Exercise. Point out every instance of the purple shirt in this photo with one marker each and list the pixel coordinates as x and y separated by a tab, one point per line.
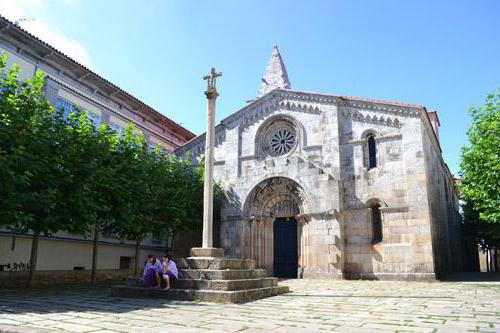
156	266
172	267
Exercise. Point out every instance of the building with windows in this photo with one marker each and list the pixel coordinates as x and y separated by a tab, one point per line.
68	84
327	186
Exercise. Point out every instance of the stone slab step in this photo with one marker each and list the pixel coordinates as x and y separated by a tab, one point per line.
231	285
214	263
217	274
217	296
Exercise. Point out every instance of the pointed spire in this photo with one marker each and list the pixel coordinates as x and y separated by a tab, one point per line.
275	75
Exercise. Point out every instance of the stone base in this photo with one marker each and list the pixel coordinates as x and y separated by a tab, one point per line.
209	279
213	252
391	276
216	296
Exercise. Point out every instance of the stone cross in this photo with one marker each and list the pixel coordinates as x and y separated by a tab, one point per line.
211	80
208	192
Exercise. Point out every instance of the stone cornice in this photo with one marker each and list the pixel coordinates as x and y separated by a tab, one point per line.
303	102
374	119
377	138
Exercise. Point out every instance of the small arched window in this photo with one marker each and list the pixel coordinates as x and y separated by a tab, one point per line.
372	152
376	224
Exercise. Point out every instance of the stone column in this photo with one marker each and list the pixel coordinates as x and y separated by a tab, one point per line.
208	191
207	249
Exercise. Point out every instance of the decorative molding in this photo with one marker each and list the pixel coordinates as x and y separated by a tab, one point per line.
313	147
389	137
383	209
306	102
395	209
373	119
247	157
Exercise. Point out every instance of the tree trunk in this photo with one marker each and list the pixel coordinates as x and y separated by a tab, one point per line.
172	244
490	261
495	259
33	258
137	246
93	274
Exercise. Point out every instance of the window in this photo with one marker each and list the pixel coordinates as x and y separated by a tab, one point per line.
65	105
125	262
376	224
282	141
117	128
94	118
372	152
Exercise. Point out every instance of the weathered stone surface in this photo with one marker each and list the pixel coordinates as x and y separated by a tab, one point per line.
209	279
323	178
207	252
311	306
217	296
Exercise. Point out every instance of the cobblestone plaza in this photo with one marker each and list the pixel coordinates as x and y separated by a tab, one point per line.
311	306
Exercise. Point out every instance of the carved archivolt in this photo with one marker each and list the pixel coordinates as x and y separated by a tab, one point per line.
276	197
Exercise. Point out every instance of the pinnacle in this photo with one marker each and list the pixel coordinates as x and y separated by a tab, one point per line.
275	76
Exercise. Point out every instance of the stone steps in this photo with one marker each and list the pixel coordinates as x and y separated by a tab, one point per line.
210	279
214	263
218	296
217	274
200	284
229	285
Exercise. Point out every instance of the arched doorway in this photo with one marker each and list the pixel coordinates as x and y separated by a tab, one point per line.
275	208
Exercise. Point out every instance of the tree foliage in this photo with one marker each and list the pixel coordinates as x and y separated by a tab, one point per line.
480	161
61	173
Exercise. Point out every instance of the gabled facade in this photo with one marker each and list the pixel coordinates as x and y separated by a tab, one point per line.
328	186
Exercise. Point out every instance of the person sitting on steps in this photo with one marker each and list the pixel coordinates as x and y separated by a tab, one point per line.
152	272
170	272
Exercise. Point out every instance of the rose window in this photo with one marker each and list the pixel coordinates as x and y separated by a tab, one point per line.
282	141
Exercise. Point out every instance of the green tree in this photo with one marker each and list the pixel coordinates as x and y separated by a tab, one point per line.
480	162
36	173
487	235
137	200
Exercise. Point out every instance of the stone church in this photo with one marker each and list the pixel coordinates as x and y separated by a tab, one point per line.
326	186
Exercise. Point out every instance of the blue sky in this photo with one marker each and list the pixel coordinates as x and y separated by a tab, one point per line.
441	54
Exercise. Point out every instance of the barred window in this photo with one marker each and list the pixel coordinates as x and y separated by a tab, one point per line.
372	152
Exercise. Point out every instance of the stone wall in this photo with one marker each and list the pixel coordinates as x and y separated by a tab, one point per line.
443	208
328	178
58	278
398	185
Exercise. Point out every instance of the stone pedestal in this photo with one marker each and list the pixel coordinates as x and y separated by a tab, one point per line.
210	279
207	252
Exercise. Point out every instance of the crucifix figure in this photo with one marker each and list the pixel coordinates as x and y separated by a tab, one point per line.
211	80
208	192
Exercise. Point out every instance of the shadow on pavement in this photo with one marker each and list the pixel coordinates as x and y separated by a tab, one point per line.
79	299
472	277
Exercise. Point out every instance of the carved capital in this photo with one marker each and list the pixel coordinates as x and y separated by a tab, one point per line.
211	93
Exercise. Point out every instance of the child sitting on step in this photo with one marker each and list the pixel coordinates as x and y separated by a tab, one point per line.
170	272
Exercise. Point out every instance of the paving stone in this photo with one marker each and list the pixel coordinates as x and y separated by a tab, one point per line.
312	306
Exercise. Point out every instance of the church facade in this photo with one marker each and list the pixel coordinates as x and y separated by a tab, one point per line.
327	186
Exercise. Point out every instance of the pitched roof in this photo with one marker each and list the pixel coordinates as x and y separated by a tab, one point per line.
47	52
275	76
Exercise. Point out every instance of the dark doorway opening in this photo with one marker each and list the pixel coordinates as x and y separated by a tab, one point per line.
285	247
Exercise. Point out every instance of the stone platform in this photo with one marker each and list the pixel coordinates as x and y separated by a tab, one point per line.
210	279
